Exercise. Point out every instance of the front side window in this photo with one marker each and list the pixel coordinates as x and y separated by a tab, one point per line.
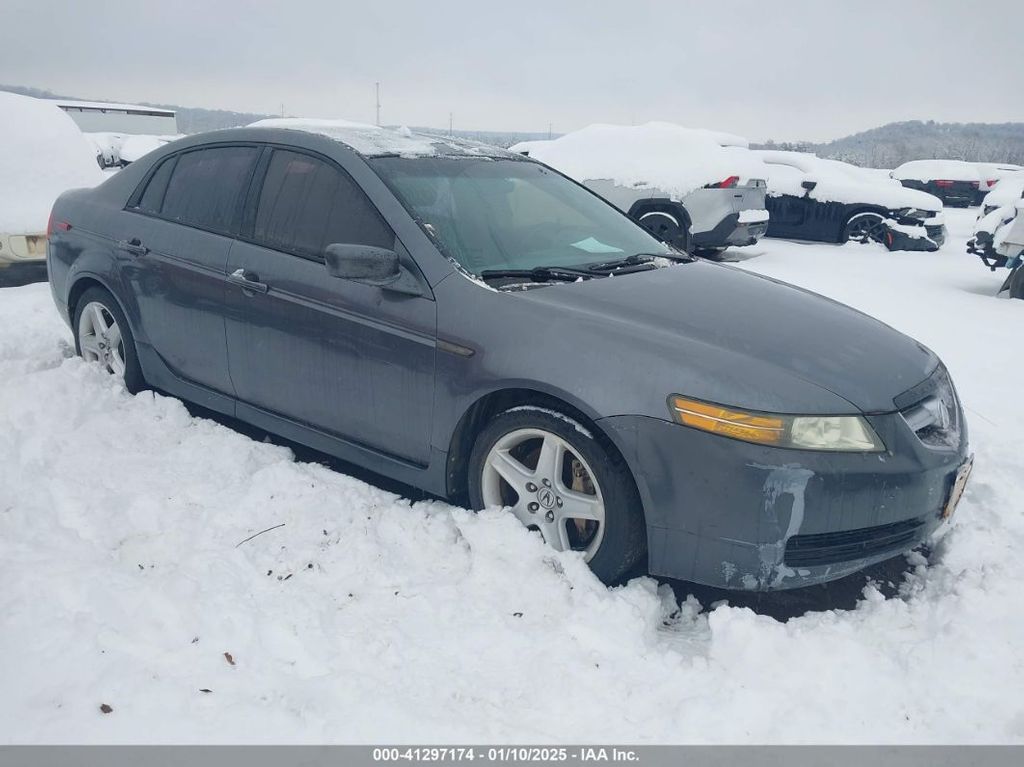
511	214
206	187
306	204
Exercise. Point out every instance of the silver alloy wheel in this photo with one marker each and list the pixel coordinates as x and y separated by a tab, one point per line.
99	338
527	471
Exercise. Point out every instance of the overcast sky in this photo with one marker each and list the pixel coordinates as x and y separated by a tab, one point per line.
786	69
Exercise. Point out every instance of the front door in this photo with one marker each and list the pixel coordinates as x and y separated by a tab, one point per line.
343	357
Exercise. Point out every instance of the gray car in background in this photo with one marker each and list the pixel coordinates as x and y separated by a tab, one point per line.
473	323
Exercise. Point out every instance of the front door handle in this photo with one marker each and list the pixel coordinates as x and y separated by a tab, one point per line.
248	281
133	246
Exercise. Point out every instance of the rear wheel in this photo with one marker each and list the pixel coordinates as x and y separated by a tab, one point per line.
865	227
559	480
667	227
102	336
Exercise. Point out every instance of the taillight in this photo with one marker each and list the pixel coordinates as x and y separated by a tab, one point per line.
727	183
53	225
992	182
943	182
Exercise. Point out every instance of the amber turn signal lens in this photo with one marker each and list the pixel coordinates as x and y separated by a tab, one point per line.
750	427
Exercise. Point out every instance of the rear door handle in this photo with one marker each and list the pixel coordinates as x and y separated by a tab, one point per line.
133	246
248	281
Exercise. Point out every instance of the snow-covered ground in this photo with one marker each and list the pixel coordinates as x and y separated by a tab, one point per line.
126	576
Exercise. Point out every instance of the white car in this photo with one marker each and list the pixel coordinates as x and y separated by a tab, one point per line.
992	173
1008	192
812	198
698	190
42	154
999	242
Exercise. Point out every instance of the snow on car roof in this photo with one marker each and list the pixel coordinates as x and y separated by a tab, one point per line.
837	181
42	155
659	155
375	141
929	170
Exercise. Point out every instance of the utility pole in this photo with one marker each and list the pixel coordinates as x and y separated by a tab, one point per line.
549	131
451	125
378	103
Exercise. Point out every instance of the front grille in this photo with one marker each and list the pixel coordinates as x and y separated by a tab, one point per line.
830	548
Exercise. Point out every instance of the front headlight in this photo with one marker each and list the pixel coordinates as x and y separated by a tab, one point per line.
844	433
914	213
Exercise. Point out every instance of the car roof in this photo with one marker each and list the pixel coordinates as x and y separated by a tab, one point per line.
378	141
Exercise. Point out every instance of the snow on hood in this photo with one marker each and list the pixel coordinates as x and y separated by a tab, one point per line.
838	182
658	155
929	170
42	155
374	140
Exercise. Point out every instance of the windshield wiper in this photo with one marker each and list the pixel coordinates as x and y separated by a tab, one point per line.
539	273
636	262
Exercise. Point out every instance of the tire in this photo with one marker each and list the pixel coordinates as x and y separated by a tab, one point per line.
667	227
591	480
1017	283
98	322
864	227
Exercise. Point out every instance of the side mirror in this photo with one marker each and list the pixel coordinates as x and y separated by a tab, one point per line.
372	266
809	185
362	263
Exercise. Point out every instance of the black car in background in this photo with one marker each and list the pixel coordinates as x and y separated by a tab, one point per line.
955	182
811	198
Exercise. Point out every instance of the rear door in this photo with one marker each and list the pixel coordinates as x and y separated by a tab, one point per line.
177	248
345	358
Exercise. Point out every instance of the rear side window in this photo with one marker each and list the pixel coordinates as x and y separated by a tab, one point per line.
306	204
206	185
153	197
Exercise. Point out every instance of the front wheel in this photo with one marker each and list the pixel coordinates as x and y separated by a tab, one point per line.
557	479
102	336
865	227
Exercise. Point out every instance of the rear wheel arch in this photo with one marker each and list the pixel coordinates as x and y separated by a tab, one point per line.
676	210
82	284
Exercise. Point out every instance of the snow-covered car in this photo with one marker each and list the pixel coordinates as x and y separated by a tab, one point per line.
1008	192
811	198
695	189
992	173
999	242
115	150
955	182
471	322
42	154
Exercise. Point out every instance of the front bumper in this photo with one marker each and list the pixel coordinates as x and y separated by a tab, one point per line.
741	516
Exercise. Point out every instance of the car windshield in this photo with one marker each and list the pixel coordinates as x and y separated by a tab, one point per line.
493	214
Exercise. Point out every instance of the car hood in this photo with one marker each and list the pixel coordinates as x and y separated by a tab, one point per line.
741	339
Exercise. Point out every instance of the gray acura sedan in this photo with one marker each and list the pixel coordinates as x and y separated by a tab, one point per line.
470	322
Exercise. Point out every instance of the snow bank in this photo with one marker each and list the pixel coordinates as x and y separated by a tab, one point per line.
930	170
838	182
372	140
42	154
656	155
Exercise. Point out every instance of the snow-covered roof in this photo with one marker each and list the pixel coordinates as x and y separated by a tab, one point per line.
374	140
42	154
1007	192
114	107
929	170
658	155
838	182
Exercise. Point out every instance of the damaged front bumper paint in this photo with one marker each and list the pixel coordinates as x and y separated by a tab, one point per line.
741	516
